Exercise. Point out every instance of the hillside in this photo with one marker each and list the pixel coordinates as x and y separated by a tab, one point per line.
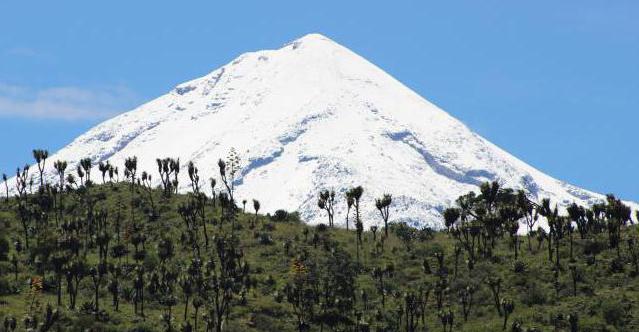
145	248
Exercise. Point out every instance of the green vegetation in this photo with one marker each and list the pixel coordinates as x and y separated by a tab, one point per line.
125	256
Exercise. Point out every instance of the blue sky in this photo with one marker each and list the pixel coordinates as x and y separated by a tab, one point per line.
556	83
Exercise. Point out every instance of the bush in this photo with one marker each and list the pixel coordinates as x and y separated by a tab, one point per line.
616	265
280	216
6	287
265	239
4	249
613	312
534	295
519	267
143	327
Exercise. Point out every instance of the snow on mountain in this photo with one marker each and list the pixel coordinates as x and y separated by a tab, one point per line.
313	115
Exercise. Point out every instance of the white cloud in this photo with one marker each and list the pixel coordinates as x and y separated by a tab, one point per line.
21	52
66	103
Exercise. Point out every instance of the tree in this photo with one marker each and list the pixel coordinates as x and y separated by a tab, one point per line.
229	169
451	215
495	287
374	229
527	210
349	204
167	167
138	286
356	194
112	171
359	230
466	300
508	307
577	215
86	165
378	275
194	177
75	271
6	185
405	233
573	320
104	168
225	276
213	183
114	287
325	202
575	274
165	250
446	317
60	167
383	205
186	284
97	274
130	169
256	207
301	295
58	261
40	157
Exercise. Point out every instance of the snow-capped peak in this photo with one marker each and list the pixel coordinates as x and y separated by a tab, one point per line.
309	116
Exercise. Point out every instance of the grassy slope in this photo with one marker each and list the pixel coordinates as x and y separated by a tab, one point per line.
602	295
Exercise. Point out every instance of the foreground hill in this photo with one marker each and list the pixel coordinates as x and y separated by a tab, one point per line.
310	116
123	257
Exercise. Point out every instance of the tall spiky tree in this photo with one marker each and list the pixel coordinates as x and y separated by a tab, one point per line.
325	202
577	215
194	177
175	166
508	306
527	209
383	205
6	185
349	205
356	194
451	216
86	165
256	207
130	168
229	169
112	171
104	169
60	167
212	183
81	174
40	157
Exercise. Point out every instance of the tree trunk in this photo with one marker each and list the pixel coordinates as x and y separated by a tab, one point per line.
186	308
59	289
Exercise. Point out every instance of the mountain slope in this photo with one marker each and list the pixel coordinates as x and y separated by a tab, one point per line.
314	115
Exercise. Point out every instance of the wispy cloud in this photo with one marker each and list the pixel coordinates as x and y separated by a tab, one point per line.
66	103
21	52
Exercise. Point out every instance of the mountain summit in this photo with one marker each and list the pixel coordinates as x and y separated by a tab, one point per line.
313	115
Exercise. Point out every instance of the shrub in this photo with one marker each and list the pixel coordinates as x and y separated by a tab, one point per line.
4	249
534	295
519	267
265	239
616	265
321	227
6	287
613	312
280	216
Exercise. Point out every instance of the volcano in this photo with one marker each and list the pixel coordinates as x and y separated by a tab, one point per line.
309	116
